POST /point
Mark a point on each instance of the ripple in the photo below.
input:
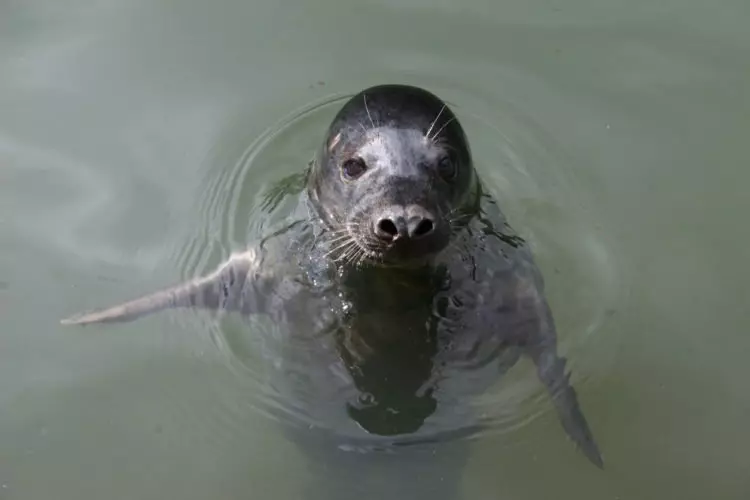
(538, 186)
(250, 190)
(231, 210)
(243, 197)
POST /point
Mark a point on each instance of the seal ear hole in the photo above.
(447, 168)
(353, 168)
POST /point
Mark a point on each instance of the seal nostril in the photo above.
(423, 228)
(387, 229)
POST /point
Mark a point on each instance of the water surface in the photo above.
(137, 143)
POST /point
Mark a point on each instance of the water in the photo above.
(137, 142)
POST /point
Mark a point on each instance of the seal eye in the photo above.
(353, 168)
(447, 168)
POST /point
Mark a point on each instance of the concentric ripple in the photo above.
(249, 192)
(534, 181)
(533, 178)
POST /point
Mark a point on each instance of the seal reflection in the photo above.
(390, 356)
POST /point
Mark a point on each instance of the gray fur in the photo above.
(406, 312)
(227, 288)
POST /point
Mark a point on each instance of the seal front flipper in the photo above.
(551, 370)
(228, 288)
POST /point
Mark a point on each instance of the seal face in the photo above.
(407, 276)
(394, 175)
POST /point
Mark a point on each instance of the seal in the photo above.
(403, 272)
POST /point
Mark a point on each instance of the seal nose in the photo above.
(419, 227)
(392, 228)
(389, 229)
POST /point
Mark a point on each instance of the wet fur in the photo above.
(410, 131)
(401, 131)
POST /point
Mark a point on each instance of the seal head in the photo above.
(394, 178)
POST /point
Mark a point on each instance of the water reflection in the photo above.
(391, 356)
(612, 133)
(391, 360)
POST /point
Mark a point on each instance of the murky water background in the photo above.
(138, 142)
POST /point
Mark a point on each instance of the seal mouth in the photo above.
(352, 242)
(345, 247)
(399, 252)
(352, 245)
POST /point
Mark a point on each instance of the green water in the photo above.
(137, 139)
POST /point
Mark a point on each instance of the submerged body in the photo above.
(404, 279)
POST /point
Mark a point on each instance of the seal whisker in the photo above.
(338, 232)
(337, 229)
(375, 243)
(364, 97)
(339, 238)
(341, 251)
(341, 244)
(366, 257)
(340, 257)
(337, 244)
(397, 260)
(427, 135)
(358, 256)
(454, 221)
(341, 234)
(347, 249)
(441, 128)
(456, 216)
(350, 253)
(342, 247)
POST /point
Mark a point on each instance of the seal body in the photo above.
(406, 286)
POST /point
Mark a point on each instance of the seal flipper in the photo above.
(225, 288)
(551, 370)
